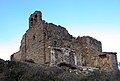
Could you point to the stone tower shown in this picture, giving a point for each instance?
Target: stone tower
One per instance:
(47, 43)
(35, 18)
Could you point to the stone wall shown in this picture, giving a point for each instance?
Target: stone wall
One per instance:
(110, 61)
(90, 50)
(47, 43)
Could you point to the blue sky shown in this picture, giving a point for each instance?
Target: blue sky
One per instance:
(97, 18)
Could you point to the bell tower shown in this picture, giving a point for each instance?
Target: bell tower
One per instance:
(35, 18)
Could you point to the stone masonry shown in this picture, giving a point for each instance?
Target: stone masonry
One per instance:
(47, 43)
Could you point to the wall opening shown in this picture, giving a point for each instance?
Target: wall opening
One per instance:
(103, 56)
(35, 19)
(34, 37)
(71, 57)
(31, 21)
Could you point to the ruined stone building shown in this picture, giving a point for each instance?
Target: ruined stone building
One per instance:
(47, 43)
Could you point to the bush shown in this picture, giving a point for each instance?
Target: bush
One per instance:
(17, 71)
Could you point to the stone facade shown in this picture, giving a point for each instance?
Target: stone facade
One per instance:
(47, 43)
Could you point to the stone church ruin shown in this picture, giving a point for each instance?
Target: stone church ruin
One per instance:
(47, 43)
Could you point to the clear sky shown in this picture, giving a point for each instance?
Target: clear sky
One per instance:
(97, 18)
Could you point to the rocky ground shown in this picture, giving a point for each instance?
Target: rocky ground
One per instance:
(28, 71)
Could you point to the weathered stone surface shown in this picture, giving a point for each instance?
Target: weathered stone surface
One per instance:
(47, 43)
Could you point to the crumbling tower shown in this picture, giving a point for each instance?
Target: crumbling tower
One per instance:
(35, 18)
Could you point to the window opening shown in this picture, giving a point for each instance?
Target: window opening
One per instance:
(31, 21)
(35, 18)
(33, 37)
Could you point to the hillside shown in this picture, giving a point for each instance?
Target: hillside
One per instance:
(17, 71)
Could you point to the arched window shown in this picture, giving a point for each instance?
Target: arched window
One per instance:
(35, 18)
(31, 21)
